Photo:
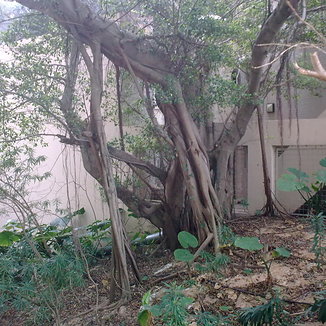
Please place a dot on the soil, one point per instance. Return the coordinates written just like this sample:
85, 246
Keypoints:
242, 283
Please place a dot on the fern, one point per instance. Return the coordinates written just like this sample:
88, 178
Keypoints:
265, 314
208, 319
212, 263
172, 309
319, 307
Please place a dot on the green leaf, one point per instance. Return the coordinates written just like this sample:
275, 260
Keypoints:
321, 176
322, 162
187, 240
183, 255
299, 174
156, 310
289, 182
320, 307
7, 238
248, 271
248, 243
281, 252
146, 297
186, 301
225, 308
322, 311
144, 318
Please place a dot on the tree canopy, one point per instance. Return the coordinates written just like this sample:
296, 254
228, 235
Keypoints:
190, 60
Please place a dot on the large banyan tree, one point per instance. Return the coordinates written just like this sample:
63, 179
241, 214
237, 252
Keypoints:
179, 55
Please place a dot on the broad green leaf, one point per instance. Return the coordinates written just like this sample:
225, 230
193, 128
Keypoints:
225, 308
187, 240
322, 162
321, 176
145, 318
183, 255
299, 174
7, 238
281, 252
289, 182
248, 243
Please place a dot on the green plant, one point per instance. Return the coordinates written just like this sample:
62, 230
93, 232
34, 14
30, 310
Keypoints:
248, 243
38, 264
319, 307
299, 181
212, 263
172, 310
28, 283
253, 244
318, 225
227, 235
208, 319
145, 315
270, 313
186, 240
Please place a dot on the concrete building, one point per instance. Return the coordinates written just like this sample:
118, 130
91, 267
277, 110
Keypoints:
294, 137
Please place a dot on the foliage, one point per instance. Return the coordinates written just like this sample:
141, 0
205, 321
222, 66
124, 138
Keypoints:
208, 319
172, 310
31, 282
319, 307
253, 244
281, 252
248, 243
145, 315
270, 313
186, 240
300, 181
319, 225
212, 263
227, 236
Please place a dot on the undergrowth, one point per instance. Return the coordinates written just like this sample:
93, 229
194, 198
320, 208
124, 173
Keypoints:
40, 264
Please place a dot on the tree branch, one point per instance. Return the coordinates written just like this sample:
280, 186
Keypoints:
134, 161
319, 72
259, 53
78, 19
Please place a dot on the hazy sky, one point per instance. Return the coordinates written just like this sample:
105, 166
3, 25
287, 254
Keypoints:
7, 4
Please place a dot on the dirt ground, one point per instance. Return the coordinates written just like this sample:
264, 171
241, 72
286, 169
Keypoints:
243, 284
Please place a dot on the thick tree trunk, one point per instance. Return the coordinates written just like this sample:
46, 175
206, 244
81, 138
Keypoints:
133, 53
194, 164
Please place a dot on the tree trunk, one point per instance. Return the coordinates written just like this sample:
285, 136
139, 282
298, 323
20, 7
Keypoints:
120, 279
137, 55
194, 164
268, 209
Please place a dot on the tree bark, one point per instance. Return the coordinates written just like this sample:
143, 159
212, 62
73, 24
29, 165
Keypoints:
268, 209
134, 54
120, 278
